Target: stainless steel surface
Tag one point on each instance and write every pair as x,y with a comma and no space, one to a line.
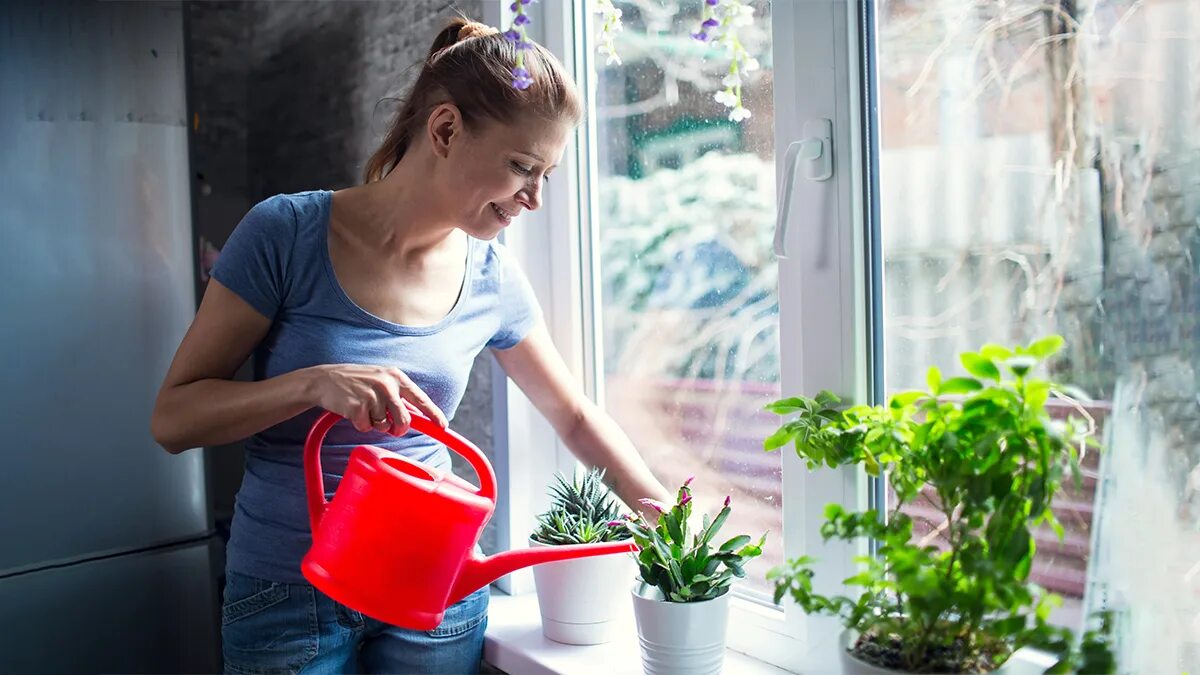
137,613
96,257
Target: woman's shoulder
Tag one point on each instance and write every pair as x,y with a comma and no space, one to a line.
493,258
291,208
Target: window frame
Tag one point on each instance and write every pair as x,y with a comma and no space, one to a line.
824,300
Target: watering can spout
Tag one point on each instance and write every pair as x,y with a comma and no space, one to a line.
479,571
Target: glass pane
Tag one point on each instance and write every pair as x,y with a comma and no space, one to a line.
688,283
1039,174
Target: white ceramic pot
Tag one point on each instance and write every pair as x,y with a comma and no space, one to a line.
579,598
680,638
852,665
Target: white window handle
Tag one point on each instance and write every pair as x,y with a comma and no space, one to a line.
817,151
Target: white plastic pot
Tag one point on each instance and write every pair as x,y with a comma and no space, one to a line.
579,598
852,665
680,638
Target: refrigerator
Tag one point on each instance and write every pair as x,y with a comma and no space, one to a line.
107,551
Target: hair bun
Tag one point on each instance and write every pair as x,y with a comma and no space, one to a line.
475,29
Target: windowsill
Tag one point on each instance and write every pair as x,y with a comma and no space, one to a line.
514,644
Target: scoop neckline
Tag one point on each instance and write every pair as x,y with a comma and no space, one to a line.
464,291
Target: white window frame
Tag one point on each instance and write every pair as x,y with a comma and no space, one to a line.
823,302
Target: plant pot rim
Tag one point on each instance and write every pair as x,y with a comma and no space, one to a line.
849,636
639,585
533,541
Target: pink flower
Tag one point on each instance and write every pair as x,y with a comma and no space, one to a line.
654,504
727,500
685,500
689,481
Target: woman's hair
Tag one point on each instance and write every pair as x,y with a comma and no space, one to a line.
470,65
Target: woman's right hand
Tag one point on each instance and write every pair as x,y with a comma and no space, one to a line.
370,396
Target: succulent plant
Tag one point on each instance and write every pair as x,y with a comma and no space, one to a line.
579,513
687,567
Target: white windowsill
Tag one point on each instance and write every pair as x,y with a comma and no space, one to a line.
514,644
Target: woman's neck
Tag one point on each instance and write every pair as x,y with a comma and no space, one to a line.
395,215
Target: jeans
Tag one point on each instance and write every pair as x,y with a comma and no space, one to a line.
271,627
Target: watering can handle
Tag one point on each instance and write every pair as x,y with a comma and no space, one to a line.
314,480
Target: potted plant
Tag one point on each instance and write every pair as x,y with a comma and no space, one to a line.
578,598
681,598
984,450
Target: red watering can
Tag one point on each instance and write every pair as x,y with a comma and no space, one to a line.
407,575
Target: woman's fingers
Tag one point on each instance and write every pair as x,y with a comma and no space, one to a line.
362,417
413,394
400,417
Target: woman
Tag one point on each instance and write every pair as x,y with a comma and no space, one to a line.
355,299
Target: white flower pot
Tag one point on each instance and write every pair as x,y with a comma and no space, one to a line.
680,638
579,598
852,665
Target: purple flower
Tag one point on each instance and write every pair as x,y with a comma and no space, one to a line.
710,23
521,79
727,500
713,3
525,44
654,504
512,35
521,20
685,500
526,2
701,36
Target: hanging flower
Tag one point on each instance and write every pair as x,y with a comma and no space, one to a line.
516,34
720,21
610,25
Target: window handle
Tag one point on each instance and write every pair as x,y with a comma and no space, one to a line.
816,151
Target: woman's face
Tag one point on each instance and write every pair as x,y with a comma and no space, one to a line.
496,171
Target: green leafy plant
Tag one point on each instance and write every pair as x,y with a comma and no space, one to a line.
580,511
992,459
684,566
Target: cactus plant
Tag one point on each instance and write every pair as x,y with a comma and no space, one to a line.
579,513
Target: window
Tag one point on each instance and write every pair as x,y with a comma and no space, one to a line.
1037,174
687,279
1016,169
662,290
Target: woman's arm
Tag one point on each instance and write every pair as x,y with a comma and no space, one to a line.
591,434
200,404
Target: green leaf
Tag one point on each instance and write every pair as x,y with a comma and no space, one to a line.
711,530
674,527
980,366
780,438
995,352
786,406
933,377
961,385
740,540
869,462
907,398
1021,365
827,399
1046,346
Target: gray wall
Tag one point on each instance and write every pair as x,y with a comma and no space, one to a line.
291,96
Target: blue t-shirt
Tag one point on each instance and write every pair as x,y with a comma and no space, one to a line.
277,260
